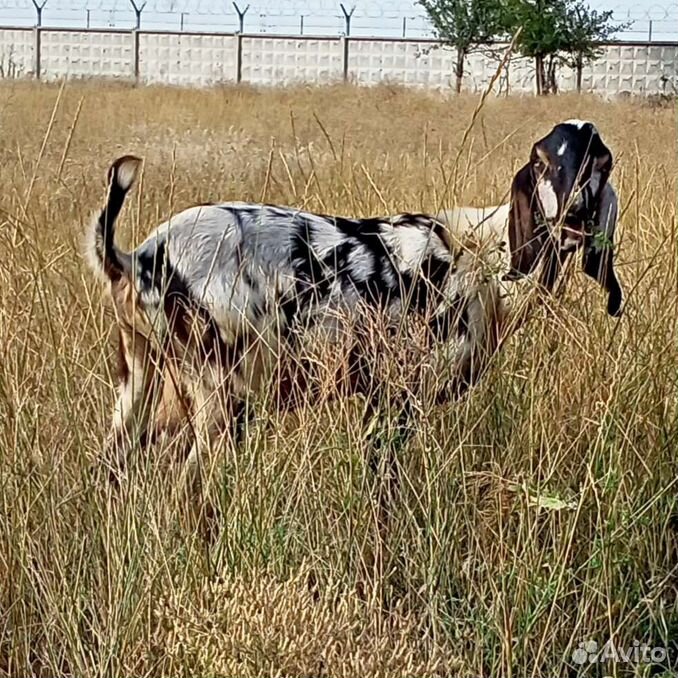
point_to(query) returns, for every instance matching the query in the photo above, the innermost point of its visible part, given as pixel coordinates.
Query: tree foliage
(542, 37)
(586, 27)
(464, 25)
(552, 32)
(556, 32)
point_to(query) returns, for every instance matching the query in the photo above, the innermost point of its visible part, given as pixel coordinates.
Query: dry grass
(538, 513)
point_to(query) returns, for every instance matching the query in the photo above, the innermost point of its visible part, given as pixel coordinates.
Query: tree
(464, 25)
(585, 28)
(556, 32)
(542, 37)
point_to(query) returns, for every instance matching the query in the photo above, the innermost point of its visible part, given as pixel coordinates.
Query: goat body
(222, 297)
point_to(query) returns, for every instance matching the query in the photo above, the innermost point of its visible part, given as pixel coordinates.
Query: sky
(651, 20)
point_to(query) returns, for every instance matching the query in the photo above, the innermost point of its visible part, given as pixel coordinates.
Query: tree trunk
(459, 68)
(552, 84)
(580, 68)
(539, 73)
(508, 76)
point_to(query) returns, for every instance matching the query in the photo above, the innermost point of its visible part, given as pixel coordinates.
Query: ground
(536, 517)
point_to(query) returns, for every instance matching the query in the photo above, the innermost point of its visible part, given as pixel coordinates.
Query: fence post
(138, 9)
(135, 54)
(238, 57)
(649, 32)
(344, 56)
(37, 39)
(241, 16)
(347, 18)
(39, 6)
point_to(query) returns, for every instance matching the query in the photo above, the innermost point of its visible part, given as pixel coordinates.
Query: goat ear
(598, 259)
(602, 157)
(523, 239)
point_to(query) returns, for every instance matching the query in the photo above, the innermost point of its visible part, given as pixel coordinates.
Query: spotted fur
(219, 293)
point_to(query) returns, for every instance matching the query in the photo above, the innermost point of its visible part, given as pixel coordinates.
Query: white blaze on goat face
(547, 198)
(562, 148)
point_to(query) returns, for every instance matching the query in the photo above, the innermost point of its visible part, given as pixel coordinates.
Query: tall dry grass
(538, 513)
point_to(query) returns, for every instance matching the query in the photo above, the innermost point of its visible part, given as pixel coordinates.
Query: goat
(219, 296)
(560, 201)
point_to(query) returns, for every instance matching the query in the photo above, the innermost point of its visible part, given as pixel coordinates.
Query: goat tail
(107, 259)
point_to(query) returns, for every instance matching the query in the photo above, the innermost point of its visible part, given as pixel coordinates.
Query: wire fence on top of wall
(402, 18)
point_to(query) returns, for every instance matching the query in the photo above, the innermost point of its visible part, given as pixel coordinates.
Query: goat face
(570, 167)
(560, 201)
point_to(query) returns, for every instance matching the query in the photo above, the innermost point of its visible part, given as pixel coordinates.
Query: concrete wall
(85, 54)
(17, 52)
(273, 60)
(186, 58)
(201, 59)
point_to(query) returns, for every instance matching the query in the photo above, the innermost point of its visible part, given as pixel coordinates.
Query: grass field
(538, 514)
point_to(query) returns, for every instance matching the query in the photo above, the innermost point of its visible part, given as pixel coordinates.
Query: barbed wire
(367, 8)
(320, 17)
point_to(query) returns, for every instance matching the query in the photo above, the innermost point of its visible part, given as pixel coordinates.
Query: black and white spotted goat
(224, 298)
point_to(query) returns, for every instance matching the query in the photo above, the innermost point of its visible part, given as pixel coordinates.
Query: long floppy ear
(602, 159)
(524, 241)
(598, 260)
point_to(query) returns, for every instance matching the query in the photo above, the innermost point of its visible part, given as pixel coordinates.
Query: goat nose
(570, 244)
(571, 238)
